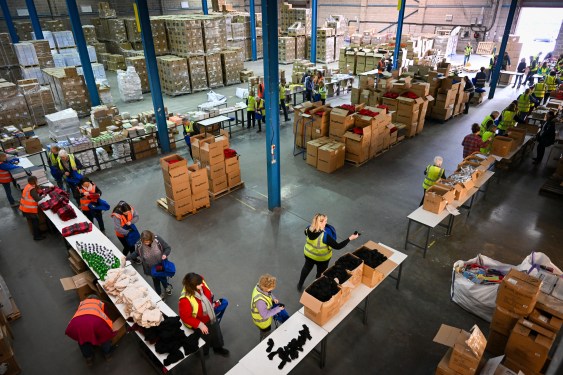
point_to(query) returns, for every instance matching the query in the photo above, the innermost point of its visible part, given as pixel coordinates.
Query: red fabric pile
(410, 95)
(357, 130)
(66, 213)
(229, 153)
(391, 95)
(367, 112)
(350, 108)
(172, 161)
(383, 106)
(392, 130)
(77, 228)
(319, 113)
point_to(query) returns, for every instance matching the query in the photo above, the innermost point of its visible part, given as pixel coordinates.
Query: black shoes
(299, 288)
(42, 237)
(259, 131)
(221, 351)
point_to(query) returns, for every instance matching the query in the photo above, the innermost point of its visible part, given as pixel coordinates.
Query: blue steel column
(399, 34)
(34, 19)
(252, 12)
(204, 6)
(496, 69)
(314, 31)
(272, 98)
(9, 22)
(83, 51)
(154, 80)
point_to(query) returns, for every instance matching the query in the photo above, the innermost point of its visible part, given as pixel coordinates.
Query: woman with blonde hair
(321, 239)
(264, 305)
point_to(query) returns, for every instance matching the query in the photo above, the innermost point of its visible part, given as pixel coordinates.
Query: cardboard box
(216, 171)
(211, 153)
(550, 304)
(496, 343)
(504, 321)
(200, 199)
(373, 276)
(321, 312)
(232, 164)
(233, 178)
(181, 188)
(340, 122)
(6, 351)
(518, 368)
(518, 292)
(357, 145)
(83, 283)
(518, 134)
(32, 145)
(331, 157)
(347, 286)
(545, 320)
(312, 149)
(180, 206)
(467, 349)
(12, 366)
(219, 183)
(437, 197)
(445, 369)
(196, 140)
(198, 179)
(174, 171)
(407, 105)
(529, 344)
(502, 146)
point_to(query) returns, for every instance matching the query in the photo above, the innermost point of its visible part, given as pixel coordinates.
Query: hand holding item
(354, 236)
(203, 328)
(276, 300)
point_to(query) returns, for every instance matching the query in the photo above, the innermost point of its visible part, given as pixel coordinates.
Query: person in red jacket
(199, 312)
(6, 178)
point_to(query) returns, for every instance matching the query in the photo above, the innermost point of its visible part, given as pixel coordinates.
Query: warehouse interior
(257, 226)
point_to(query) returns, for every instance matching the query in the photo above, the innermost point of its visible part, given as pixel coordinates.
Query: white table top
(239, 369)
(257, 362)
(24, 162)
(213, 120)
(513, 152)
(511, 73)
(398, 257)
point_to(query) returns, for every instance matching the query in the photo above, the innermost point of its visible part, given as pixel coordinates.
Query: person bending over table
(29, 206)
(198, 311)
(433, 173)
(321, 239)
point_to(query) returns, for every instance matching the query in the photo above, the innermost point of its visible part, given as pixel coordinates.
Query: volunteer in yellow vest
(493, 116)
(539, 90)
(551, 82)
(543, 70)
(283, 103)
(250, 110)
(525, 101)
(322, 92)
(90, 326)
(90, 193)
(433, 173)
(69, 164)
(489, 137)
(6, 176)
(507, 118)
(188, 129)
(533, 69)
(260, 113)
(53, 160)
(321, 239)
(467, 53)
(29, 206)
(263, 305)
(198, 311)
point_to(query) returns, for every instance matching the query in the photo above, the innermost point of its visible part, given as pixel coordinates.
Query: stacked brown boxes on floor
(303, 122)
(525, 323)
(232, 62)
(422, 89)
(116, 30)
(39, 100)
(24, 30)
(326, 154)
(514, 49)
(14, 108)
(174, 75)
(133, 34)
(177, 185)
(43, 52)
(214, 70)
(9, 69)
(214, 34)
(286, 52)
(104, 10)
(158, 27)
(325, 45)
(212, 159)
(69, 89)
(443, 107)
(375, 135)
(185, 35)
(138, 62)
(7, 359)
(54, 25)
(300, 47)
(198, 73)
(115, 62)
(290, 15)
(89, 34)
(465, 353)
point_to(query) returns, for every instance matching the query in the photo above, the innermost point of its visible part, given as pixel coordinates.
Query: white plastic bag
(241, 93)
(539, 265)
(212, 96)
(479, 299)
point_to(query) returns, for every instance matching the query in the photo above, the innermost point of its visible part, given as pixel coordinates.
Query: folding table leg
(366, 301)
(408, 231)
(323, 352)
(399, 276)
(427, 240)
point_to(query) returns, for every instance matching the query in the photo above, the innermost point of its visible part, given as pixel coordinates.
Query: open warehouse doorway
(538, 29)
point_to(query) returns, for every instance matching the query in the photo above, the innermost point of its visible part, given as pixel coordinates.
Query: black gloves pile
(338, 272)
(372, 258)
(168, 337)
(291, 350)
(323, 289)
(349, 262)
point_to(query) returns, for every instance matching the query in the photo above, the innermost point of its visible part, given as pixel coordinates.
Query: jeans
(284, 109)
(126, 248)
(308, 95)
(8, 189)
(308, 266)
(189, 144)
(95, 214)
(518, 81)
(87, 349)
(466, 59)
(220, 310)
(156, 282)
(250, 116)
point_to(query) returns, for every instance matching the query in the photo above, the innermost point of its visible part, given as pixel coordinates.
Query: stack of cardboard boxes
(89, 34)
(174, 75)
(525, 323)
(138, 62)
(177, 184)
(214, 33)
(448, 89)
(198, 73)
(8, 360)
(325, 45)
(115, 62)
(14, 108)
(326, 154)
(133, 34)
(290, 16)
(159, 35)
(185, 35)
(374, 137)
(69, 89)
(232, 62)
(286, 52)
(465, 353)
(39, 100)
(214, 70)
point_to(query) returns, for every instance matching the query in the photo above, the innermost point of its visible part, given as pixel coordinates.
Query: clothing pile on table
(168, 337)
(337, 272)
(58, 203)
(480, 274)
(372, 258)
(349, 262)
(126, 286)
(323, 289)
(291, 350)
(76, 228)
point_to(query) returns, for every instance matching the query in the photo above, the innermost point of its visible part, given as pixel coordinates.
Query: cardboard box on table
(373, 276)
(118, 323)
(477, 172)
(518, 134)
(32, 145)
(551, 310)
(467, 348)
(437, 197)
(330, 157)
(321, 312)
(460, 191)
(313, 148)
(484, 161)
(518, 292)
(83, 283)
(502, 146)
(529, 345)
(354, 280)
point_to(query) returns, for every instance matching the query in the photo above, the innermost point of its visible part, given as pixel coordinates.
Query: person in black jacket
(546, 137)
(480, 78)
(520, 69)
(470, 88)
(321, 239)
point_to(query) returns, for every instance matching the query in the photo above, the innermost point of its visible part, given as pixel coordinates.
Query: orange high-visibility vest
(27, 203)
(84, 199)
(124, 220)
(93, 307)
(5, 177)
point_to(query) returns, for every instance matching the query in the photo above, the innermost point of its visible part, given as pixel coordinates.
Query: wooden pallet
(357, 164)
(552, 186)
(485, 48)
(16, 314)
(164, 205)
(229, 190)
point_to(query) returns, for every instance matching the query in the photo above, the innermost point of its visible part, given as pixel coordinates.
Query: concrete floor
(237, 239)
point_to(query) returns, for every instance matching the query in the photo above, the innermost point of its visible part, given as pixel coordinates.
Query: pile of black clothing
(372, 258)
(323, 289)
(349, 262)
(168, 337)
(291, 350)
(337, 272)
